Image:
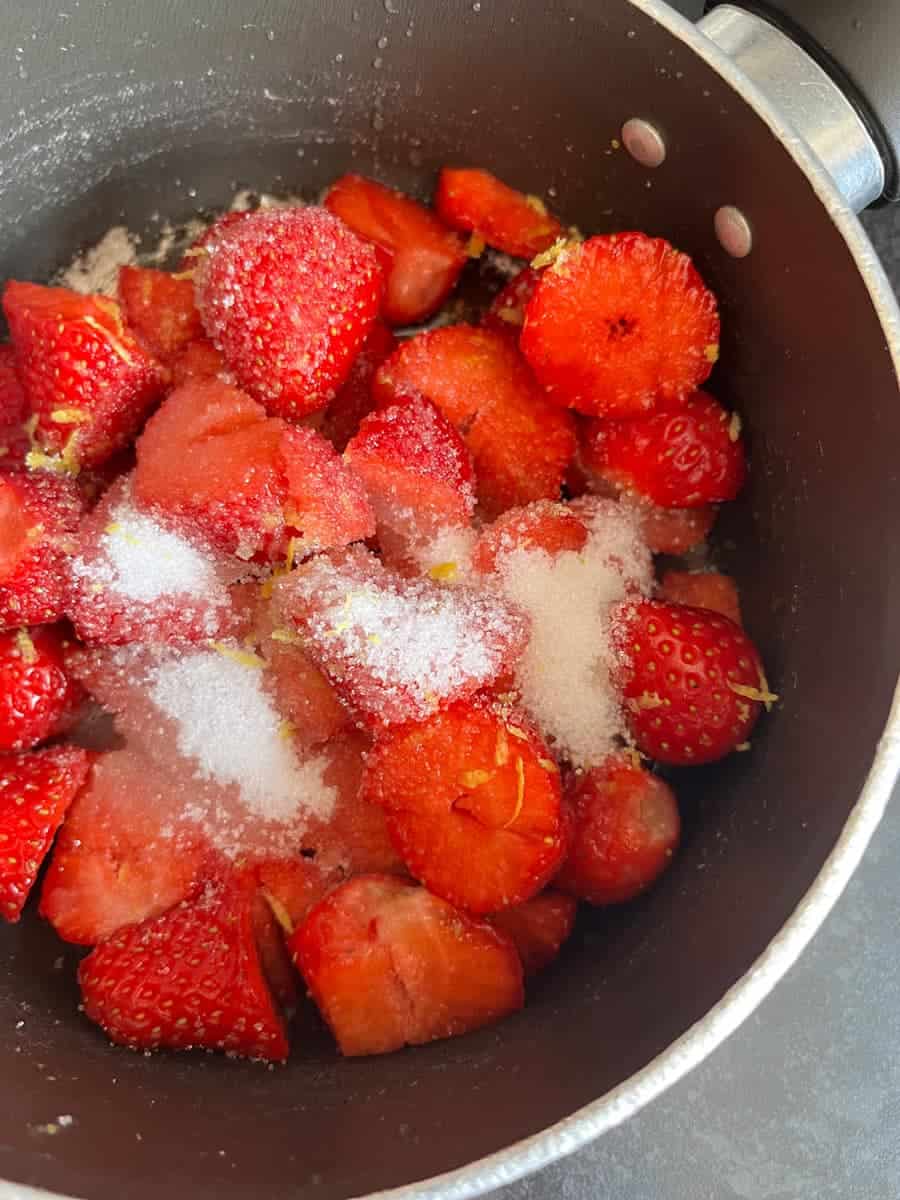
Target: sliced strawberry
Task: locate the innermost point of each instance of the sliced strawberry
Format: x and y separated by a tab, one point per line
190	978
292	887
542	525
197	361
677	530
520	444
478	202
289	297
473	806
303	693
396	648
423	258
35	793
354	401
702	589
39	517
506	314
391	965
88	381
625	830
125	853
38	699
621	325
417	472
686	459
159	308
325	503
14	441
538	927
693	681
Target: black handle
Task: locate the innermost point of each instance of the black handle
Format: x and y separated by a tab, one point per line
858	43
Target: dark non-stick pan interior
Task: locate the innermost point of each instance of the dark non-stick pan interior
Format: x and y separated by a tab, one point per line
112	112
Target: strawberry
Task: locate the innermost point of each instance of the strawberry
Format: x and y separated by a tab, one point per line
39	516
473	806
676	530
625	829
390	965
702	589
198	247
422	257
89	383
520	444
506	314
159	309
692	680
685	459
354	401
190	978
326	504
37	697
396	648
198	360
538	927
542	525
478	202
417	472
621	325
35	793
124	854
14	441
289	297
291	887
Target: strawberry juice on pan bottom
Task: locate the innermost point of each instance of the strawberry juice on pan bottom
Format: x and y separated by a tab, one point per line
116	112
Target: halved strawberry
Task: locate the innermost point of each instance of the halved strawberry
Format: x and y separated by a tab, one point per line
125	853
538	927
391	965
198	360
478	202
702	589
354	401
625	829
417	472
422	257
160	310
685	459
473	805
190	978
693	681
38	699
89	383
289	297
14	441
543	525
35	793
506	314
39	517
325	503
621	325
520	444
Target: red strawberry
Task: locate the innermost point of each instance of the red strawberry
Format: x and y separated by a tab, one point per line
520	444
396	648
159	309
14	441
35	792
354	401
538	927
621	325
391	965
542	525
422	257
477	202
417	472
676	530
39	516
198	247
625	830
506	314
88	382
37	697
693	681
291	887
473	806
198	360
675	460
125	852
190	978
289	298
326	504
702	589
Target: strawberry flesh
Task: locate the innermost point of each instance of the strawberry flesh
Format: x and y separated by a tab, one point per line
477	202
38	699
538	927
703	589
159	309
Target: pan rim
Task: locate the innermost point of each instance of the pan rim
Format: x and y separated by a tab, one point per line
523	1158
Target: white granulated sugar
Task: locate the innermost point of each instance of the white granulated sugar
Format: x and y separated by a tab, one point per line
96	270
227	724
564	674
447	557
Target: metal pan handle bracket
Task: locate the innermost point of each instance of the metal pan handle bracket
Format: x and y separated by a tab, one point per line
814	92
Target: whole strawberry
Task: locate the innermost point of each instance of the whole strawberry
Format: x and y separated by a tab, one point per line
692	681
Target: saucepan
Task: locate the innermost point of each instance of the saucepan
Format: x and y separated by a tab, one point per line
749	144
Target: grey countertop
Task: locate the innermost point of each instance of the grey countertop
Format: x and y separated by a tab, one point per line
803	1102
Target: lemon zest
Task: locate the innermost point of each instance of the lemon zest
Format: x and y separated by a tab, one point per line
501	753
760	695
711	352
536	203
279	912
289	636
520	793
475	779
244	657
551	256
26	646
475	246
734	428
443	572
71	416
